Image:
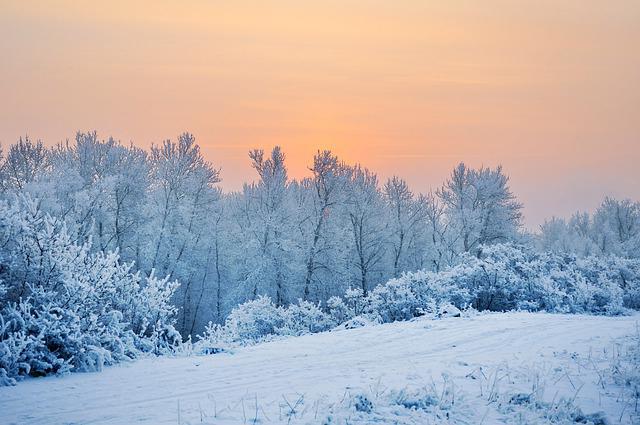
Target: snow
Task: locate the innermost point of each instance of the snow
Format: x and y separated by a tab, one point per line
316	373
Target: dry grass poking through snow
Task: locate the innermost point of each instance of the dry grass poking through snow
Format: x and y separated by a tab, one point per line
545	392
503	368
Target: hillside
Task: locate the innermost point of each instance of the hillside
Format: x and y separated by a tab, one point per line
493	368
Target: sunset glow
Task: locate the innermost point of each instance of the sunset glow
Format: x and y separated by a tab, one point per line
549	89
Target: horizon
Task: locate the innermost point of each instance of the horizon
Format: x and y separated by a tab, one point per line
547	90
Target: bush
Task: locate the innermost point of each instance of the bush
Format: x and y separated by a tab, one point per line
254	320
502	277
394	301
259	319
304	318
506	277
355	301
338	311
64	308
214	340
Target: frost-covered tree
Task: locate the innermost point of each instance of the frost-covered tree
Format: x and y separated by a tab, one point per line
24	163
105	191
613	229
407	214
182	194
266	217
364	209
326	191
480	208
441	245
616	227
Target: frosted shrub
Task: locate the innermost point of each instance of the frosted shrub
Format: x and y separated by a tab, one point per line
630	283
355	301
631	297
259	319
507	277
394	301
411	295
605	297
65	308
588	285
153	315
27	345
552	296
494	280
432	289
213	340
338	310
303	318
502	277
254	320
163	338
613	272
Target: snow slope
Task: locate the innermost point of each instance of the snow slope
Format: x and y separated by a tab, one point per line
304	379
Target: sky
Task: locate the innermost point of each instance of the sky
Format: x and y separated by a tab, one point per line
549	89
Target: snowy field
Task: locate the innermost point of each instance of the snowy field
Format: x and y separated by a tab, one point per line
494	368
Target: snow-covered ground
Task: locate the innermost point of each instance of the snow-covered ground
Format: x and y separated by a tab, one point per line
484	369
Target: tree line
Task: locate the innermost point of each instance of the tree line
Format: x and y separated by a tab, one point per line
289	239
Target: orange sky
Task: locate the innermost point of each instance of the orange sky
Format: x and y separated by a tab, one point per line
550	89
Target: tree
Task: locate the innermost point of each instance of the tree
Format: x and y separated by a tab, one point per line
327	188
182	192
267	214
365	211
24	163
616	227
480	206
406	216
439	237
